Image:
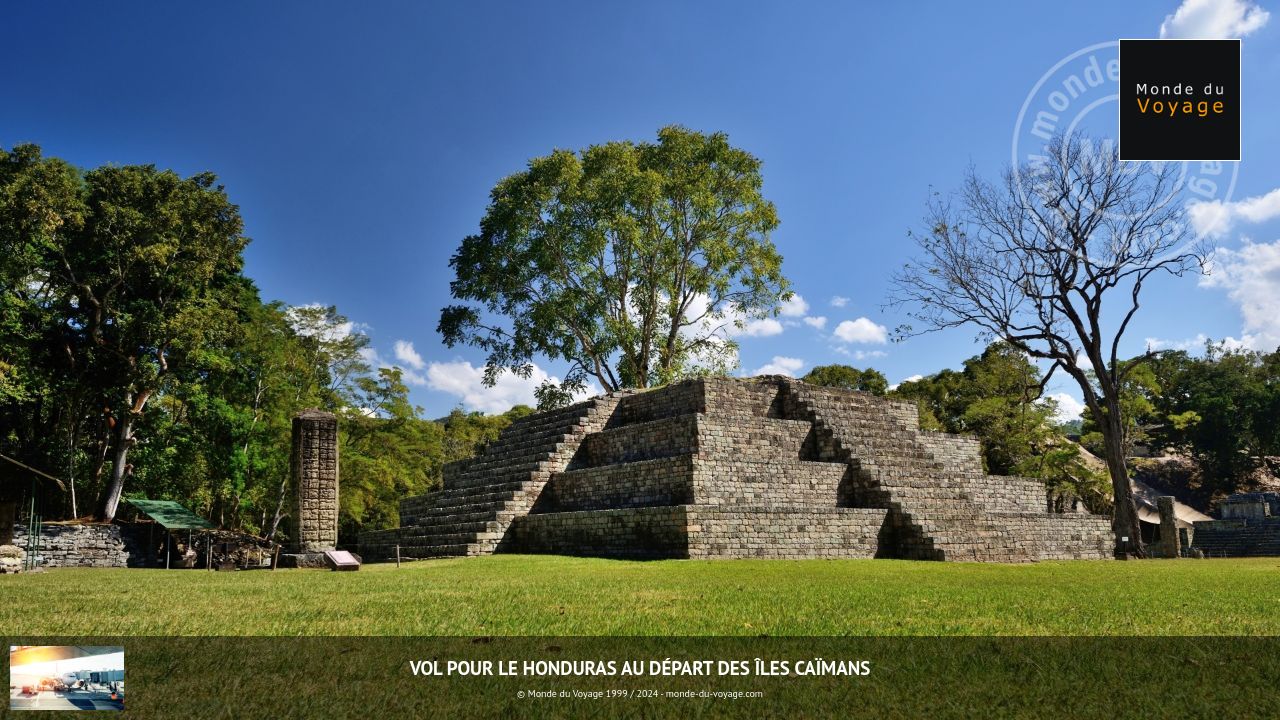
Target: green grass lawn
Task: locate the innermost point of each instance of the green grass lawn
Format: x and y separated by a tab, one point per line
543	595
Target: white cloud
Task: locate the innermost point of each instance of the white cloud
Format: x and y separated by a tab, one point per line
1190	344
407	375
838	301
1251	277
795	307
1068	408
862	330
1215	218
1198	343
407	355
860	354
1214	19
780	365
759	327
909	378
816	322
465	381
726	325
412	378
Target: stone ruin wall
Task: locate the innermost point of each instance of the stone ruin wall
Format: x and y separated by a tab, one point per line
64	546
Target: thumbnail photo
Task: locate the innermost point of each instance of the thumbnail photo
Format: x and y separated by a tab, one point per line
66	677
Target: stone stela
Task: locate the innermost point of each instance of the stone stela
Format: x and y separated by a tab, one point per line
314	465
1170	543
723	467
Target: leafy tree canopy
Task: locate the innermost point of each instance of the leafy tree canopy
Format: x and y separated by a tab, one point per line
849	378
631	261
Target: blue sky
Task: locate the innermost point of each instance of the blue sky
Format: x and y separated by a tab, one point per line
361	140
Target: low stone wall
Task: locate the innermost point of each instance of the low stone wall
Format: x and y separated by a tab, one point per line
789	483
680	398
953	452
751	438
1064	537
736	400
639	441
79	546
663	481
781	533
1006	493
635	533
703	531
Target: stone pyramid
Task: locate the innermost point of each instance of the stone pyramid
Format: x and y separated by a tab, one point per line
720	467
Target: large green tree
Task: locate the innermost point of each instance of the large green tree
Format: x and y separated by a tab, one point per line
849	378
178	334
46	394
631	261
136	264
1221	409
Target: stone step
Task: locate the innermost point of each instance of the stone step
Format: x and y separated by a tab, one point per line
469	511
542	442
487	477
435	551
525	445
476	519
494	500
461	496
648	440
452	536
452	524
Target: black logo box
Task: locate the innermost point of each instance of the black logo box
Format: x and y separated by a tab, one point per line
1180	66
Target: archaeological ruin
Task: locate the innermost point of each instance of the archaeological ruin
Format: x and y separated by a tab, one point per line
732	468
314	465
1248	525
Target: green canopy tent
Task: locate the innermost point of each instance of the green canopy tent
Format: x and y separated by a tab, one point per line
170	516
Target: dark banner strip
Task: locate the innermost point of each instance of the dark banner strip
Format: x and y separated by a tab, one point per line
383	678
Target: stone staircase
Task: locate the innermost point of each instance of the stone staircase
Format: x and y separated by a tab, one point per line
942	505
1238	537
480	496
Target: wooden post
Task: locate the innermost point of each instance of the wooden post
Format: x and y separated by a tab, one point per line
1169	545
167	538
397	556
208	551
275	557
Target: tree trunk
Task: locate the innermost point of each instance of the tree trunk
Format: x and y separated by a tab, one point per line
275	521
1124	520
71	469
115	487
103	435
